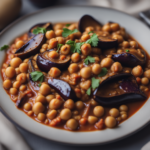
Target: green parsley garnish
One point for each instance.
(39, 30)
(37, 76)
(39, 84)
(127, 50)
(58, 47)
(91, 32)
(4, 47)
(103, 72)
(66, 32)
(93, 41)
(88, 92)
(67, 25)
(95, 83)
(89, 59)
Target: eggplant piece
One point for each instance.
(107, 42)
(63, 88)
(127, 90)
(86, 21)
(129, 59)
(45, 63)
(31, 47)
(47, 26)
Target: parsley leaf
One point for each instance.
(93, 41)
(4, 47)
(39, 84)
(127, 50)
(88, 92)
(103, 72)
(95, 83)
(39, 30)
(90, 32)
(66, 32)
(89, 59)
(58, 47)
(67, 25)
(37, 76)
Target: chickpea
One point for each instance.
(73, 68)
(116, 67)
(79, 105)
(144, 80)
(75, 57)
(51, 114)
(123, 112)
(124, 116)
(86, 49)
(92, 119)
(53, 54)
(45, 46)
(50, 34)
(137, 71)
(49, 98)
(133, 44)
(98, 111)
(15, 62)
(54, 72)
(58, 32)
(69, 104)
(85, 84)
(55, 103)
(119, 51)
(65, 114)
(7, 84)
(106, 28)
(96, 50)
(17, 71)
(96, 69)
(147, 74)
(78, 35)
(72, 27)
(110, 122)
(19, 44)
(93, 102)
(72, 124)
(13, 91)
(85, 37)
(42, 50)
(123, 108)
(58, 26)
(22, 77)
(125, 44)
(114, 26)
(52, 43)
(60, 40)
(23, 67)
(38, 108)
(22, 88)
(65, 49)
(10, 72)
(114, 112)
(27, 106)
(41, 116)
(83, 121)
(16, 84)
(86, 72)
(88, 29)
(118, 37)
(106, 62)
(41, 98)
(45, 89)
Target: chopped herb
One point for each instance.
(127, 50)
(89, 59)
(39, 84)
(39, 30)
(88, 92)
(4, 47)
(66, 32)
(95, 83)
(93, 41)
(91, 32)
(103, 72)
(37, 76)
(58, 47)
(67, 25)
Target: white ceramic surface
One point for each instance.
(72, 13)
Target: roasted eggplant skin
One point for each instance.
(63, 88)
(128, 59)
(32, 47)
(132, 91)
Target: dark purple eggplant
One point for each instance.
(32, 47)
(127, 90)
(45, 63)
(47, 26)
(86, 21)
(63, 88)
(128, 59)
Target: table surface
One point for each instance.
(133, 142)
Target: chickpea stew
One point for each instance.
(81, 76)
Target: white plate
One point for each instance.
(72, 13)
